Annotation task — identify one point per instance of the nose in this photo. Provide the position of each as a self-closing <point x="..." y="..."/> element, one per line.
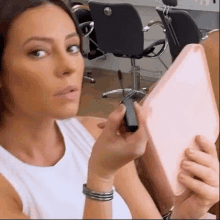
<point x="67" y="64"/>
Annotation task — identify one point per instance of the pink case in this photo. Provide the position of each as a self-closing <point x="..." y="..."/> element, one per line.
<point x="181" y="106"/>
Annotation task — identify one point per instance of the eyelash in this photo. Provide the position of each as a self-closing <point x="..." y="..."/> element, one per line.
<point x="34" y="52"/>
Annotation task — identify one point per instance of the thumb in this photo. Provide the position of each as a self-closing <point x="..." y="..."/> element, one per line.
<point x="115" y="118"/>
<point x="102" y="124"/>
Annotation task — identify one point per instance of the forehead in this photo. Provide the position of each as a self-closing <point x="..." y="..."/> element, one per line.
<point x="47" y="20"/>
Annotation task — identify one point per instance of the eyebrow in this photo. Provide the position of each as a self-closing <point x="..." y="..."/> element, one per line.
<point x="49" y="40"/>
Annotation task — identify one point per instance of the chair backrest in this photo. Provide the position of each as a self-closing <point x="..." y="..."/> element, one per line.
<point x="118" y="28"/>
<point x="170" y="2"/>
<point x="184" y="27"/>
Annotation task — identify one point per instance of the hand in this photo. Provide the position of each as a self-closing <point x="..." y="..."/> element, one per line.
<point x="203" y="188"/>
<point x="114" y="148"/>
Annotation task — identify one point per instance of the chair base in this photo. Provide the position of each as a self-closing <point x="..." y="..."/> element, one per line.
<point x="116" y="92"/>
<point x="136" y="92"/>
<point x="136" y="95"/>
<point x="92" y="80"/>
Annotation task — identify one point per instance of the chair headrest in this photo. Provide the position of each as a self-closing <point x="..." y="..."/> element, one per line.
<point x="170" y="2"/>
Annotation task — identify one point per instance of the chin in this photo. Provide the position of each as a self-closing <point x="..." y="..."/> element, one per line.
<point x="67" y="113"/>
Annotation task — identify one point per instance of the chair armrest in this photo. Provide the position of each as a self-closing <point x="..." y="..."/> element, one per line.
<point x="165" y="44"/>
<point x="153" y="23"/>
<point x="156" y="43"/>
<point x="77" y="7"/>
<point x="89" y="25"/>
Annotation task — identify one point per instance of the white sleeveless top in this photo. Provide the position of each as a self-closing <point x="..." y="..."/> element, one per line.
<point x="55" y="192"/>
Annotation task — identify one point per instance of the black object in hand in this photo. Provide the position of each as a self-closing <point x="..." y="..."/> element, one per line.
<point x="131" y="124"/>
<point x="130" y="115"/>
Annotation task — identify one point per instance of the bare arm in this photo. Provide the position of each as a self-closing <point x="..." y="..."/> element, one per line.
<point x="102" y="210"/>
<point x="98" y="209"/>
<point x="10" y="203"/>
<point x="139" y="201"/>
<point x="127" y="183"/>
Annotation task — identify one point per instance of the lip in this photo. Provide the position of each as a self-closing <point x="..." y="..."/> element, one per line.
<point x="69" y="96"/>
<point x="66" y="90"/>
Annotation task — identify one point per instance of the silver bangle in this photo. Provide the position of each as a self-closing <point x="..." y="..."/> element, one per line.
<point x="168" y="215"/>
<point x="106" y="196"/>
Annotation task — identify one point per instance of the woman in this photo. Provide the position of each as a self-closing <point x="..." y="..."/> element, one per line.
<point x="46" y="153"/>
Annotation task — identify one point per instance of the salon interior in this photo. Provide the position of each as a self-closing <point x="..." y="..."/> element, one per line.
<point x="192" y="21"/>
<point x="130" y="45"/>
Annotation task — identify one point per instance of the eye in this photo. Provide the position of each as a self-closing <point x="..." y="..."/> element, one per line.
<point x="37" y="53"/>
<point x="73" y="49"/>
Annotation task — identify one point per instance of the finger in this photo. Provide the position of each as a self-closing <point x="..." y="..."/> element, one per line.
<point x="205" y="173"/>
<point x="115" y="118"/>
<point x="206" y="146"/>
<point x="200" y="157"/>
<point x="123" y="130"/>
<point x="102" y="124"/>
<point x="197" y="186"/>
<point x="141" y="117"/>
<point x="141" y="133"/>
<point x="141" y="103"/>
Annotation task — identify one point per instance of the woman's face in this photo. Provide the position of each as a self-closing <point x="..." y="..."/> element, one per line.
<point x="36" y="69"/>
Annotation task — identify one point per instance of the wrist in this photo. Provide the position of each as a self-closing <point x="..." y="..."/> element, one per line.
<point x="99" y="184"/>
<point x="184" y="214"/>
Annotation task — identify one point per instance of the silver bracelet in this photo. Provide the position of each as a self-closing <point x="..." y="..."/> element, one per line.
<point x="168" y="215"/>
<point x="106" y="196"/>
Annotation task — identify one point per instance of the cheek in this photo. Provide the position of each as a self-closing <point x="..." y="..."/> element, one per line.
<point x="25" y="78"/>
<point x="25" y="83"/>
<point x="81" y="67"/>
<point x="28" y="83"/>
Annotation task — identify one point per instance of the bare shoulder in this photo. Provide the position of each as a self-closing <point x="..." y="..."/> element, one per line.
<point x="10" y="202"/>
<point x="90" y="123"/>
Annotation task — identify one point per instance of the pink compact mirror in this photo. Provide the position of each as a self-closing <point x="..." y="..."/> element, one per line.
<point x="180" y="107"/>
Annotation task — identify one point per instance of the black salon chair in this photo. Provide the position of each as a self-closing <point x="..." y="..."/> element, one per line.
<point x="119" y="31"/>
<point x="180" y="27"/>
<point x="83" y="15"/>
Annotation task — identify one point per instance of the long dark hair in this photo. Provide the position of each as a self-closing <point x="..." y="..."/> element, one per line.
<point x="9" y="10"/>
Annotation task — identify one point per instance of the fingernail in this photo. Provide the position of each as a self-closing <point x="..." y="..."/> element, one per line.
<point x="121" y="107"/>
<point x="186" y="163"/>
<point x="101" y="123"/>
<point x="200" y="138"/>
<point x="181" y="176"/>
<point x="191" y="151"/>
